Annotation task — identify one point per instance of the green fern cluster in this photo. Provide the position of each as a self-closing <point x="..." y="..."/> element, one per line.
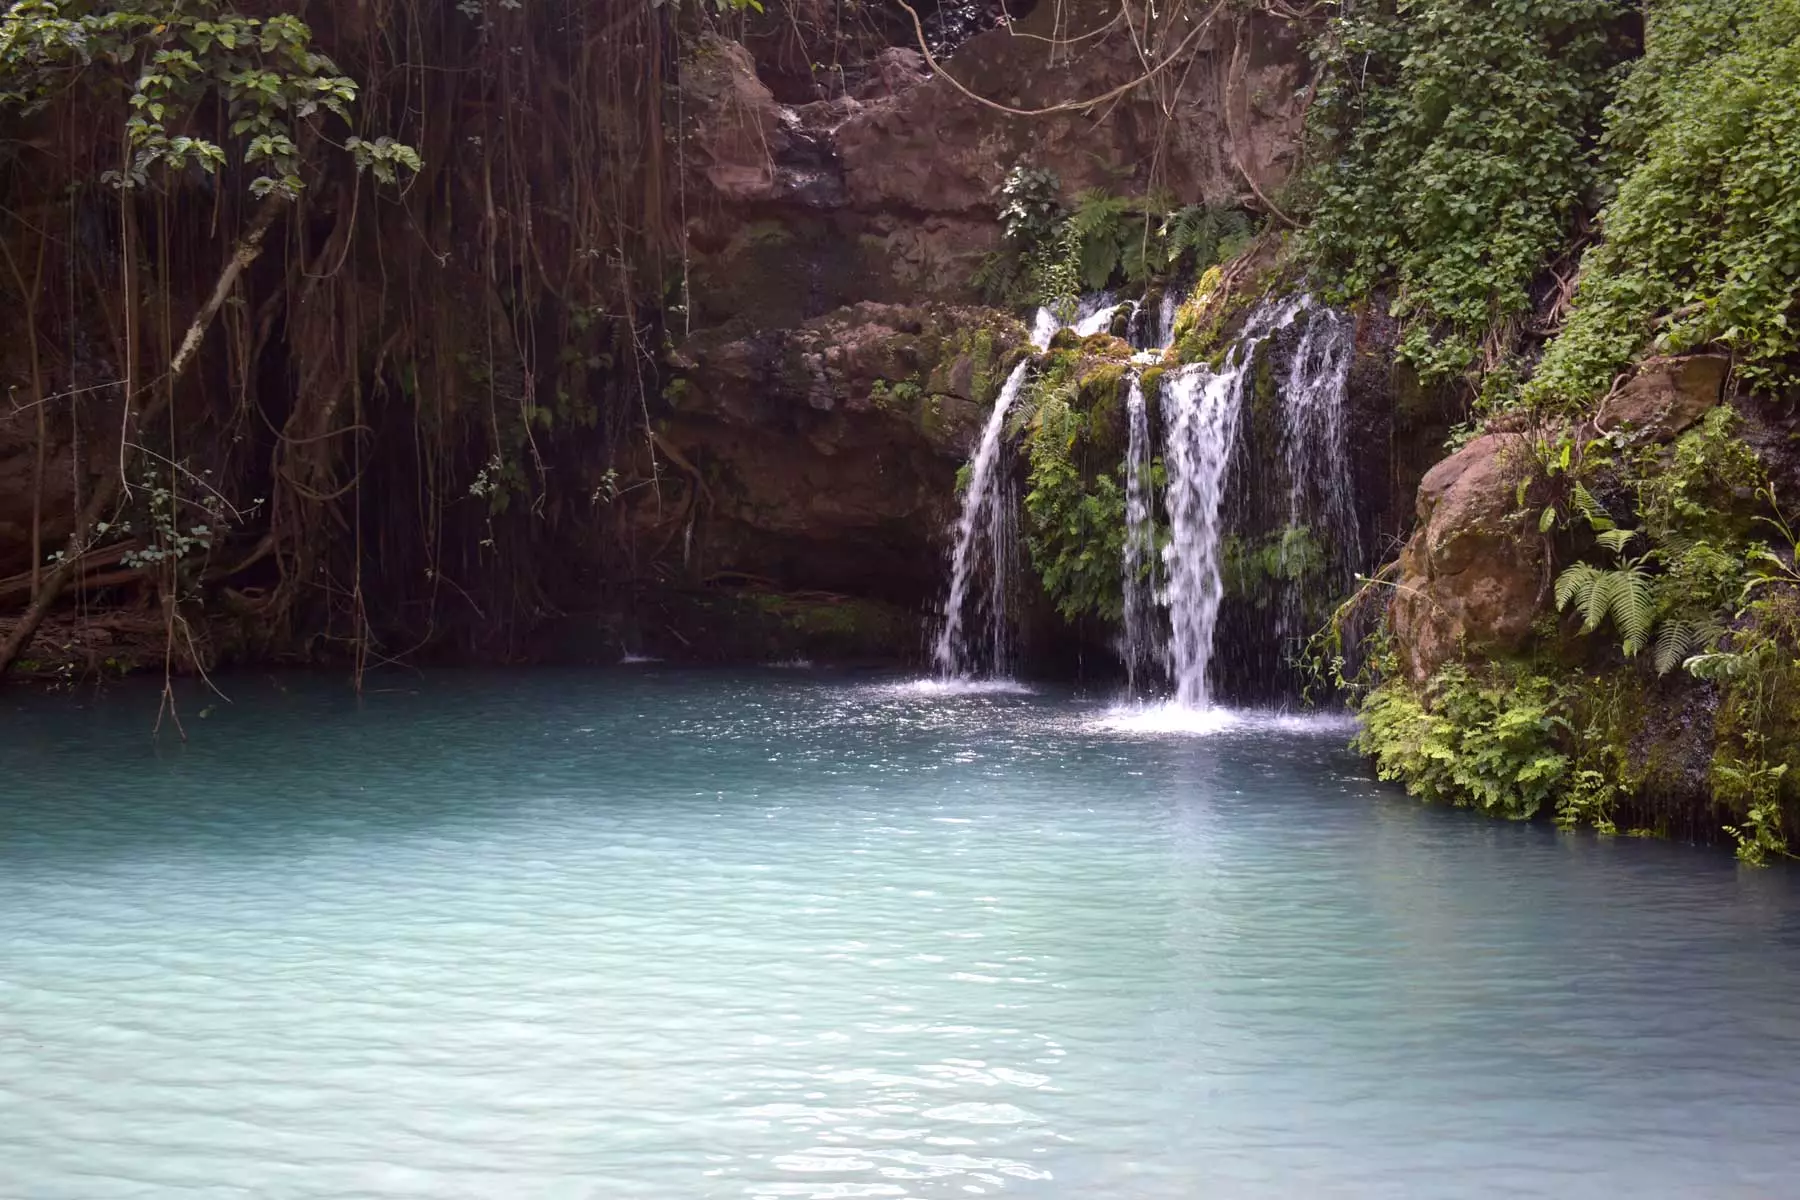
<point x="1697" y="559"/>
<point x="1486" y="740"/>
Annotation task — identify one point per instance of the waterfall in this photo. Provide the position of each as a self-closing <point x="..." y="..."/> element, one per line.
<point x="1165" y="316"/>
<point x="1200" y="420"/>
<point x="1313" y="449"/>
<point x="1094" y="313"/>
<point x="1141" y="650"/>
<point x="985" y="533"/>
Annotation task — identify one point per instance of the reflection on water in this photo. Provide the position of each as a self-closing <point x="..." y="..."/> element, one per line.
<point x="791" y="934"/>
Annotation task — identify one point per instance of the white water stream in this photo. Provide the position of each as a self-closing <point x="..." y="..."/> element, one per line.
<point x="1141" y="649"/>
<point x="1200" y="409"/>
<point x="974" y="635"/>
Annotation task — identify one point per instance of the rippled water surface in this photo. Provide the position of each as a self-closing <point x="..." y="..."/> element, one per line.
<point x="657" y="934"/>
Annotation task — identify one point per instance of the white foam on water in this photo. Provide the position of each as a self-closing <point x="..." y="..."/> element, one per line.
<point x="1167" y="718"/>
<point x="961" y="687"/>
<point x="632" y="660"/>
<point x="1188" y="720"/>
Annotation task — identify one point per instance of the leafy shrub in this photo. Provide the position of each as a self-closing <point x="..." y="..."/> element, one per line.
<point x="1479" y="740"/>
<point x="1703" y="238"/>
<point x="1053" y="253"/>
<point x="1466" y="143"/>
<point x="1075" y="519"/>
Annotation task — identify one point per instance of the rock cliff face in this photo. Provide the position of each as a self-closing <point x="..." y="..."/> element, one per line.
<point x="886" y="191"/>
<point x="825" y="456"/>
<point x="832" y="369"/>
<point x="822" y="359"/>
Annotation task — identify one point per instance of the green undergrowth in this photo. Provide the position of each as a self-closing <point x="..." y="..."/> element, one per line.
<point x="1052" y="250"/>
<point x="1072" y="423"/>
<point x="1459" y="145"/>
<point x="1674" y="654"/>
<point x="1701" y="242"/>
<point x="1548" y="193"/>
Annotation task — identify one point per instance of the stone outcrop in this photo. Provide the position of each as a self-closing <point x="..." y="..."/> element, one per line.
<point x="1665" y="396"/>
<point x="1470" y="577"/>
<point x="886" y="189"/>
<point x="833" y="371"/>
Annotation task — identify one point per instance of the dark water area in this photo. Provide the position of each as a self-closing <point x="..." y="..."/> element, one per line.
<point x="655" y="933"/>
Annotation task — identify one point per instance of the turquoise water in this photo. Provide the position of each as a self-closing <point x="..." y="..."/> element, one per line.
<point x="661" y="934"/>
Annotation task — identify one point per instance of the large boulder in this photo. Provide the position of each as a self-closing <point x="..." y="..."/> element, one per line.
<point x="1472" y="576"/>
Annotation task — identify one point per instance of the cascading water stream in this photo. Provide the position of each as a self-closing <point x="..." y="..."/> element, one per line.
<point x="1141" y="649"/>
<point x="1094" y="313"/>
<point x="1165" y="316"/>
<point x="1313" y="447"/>
<point x="985" y="536"/>
<point x="1200" y="408"/>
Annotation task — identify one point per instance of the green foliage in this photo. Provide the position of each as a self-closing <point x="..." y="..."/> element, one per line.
<point x="1624" y="594"/>
<point x="273" y="86"/>
<point x="1753" y="785"/>
<point x="1703" y="238"/>
<point x="1030" y="205"/>
<point x="1691" y="492"/>
<point x="1199" y="236"/>
<point x="1465" y="139"/>
<point x="1696" y="561"/>
<point x="1757" y="726"/>
<point x="173" y="526"/>
<point x="1075" y="513"/>
<point x="1290" y="555"/>
<point x="1053" y="253"/>
<point x="1587" y="800"/>
<point x="1484" y="740"/>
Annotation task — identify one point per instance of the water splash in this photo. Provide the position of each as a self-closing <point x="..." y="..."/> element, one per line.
<point x="1142" y="648"/>
<point x="1200" y="418"/>
<point x="986" y="536"/>
<point x="1094" y="313"/>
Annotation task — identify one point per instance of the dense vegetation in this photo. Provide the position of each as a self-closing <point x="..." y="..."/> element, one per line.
<point x="366" y="335"/>
<point x="1674" y="563"/>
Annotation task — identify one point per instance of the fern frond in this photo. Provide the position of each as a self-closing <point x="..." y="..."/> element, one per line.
<point x="1634" y="606"/>
<point x="1097" y="212"/>
<point x="1674" y="642"/>
<point x="1574" y="584"/>
<point x="1595" y="512"/>
<point x="1616" y="539"/>
<point x="1717" y="664"/>
<point x="1599" y="599"/>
